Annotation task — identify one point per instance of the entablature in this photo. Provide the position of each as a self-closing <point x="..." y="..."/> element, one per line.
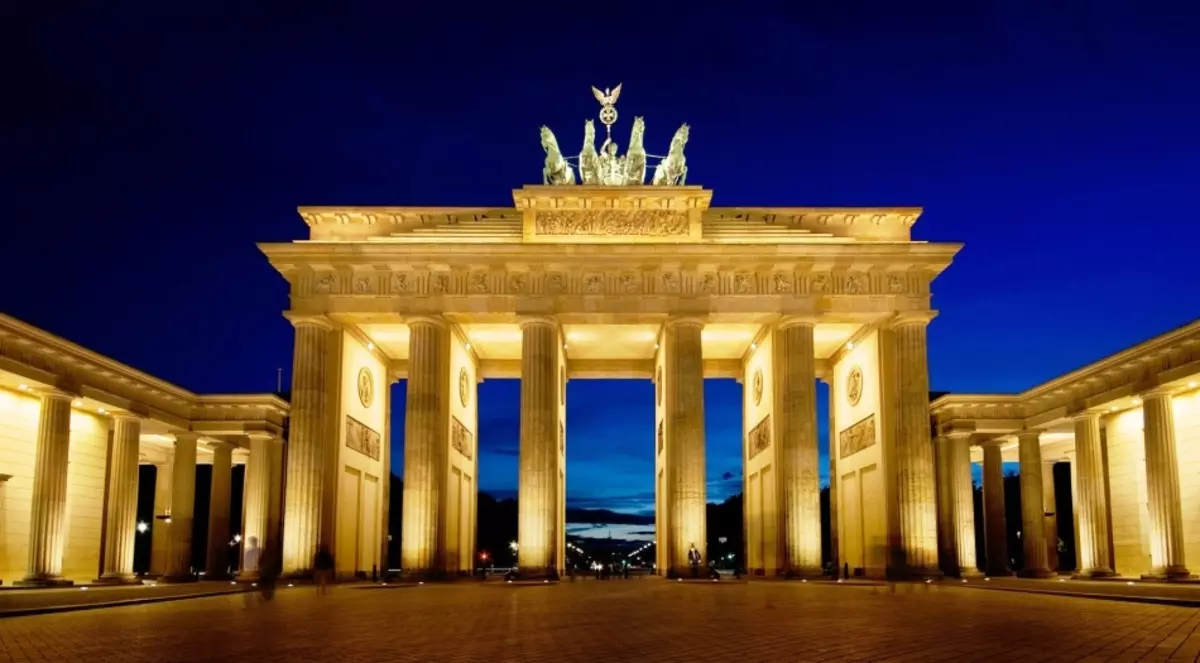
<point x="1110" y="385"/>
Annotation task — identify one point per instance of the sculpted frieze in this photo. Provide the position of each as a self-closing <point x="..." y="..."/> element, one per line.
<point x="523" y="282"/>
<point x="857" y="437"/>
<point x="644" y="223"/>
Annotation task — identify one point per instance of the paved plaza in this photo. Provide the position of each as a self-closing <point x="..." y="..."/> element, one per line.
<point x="647" y="620"/>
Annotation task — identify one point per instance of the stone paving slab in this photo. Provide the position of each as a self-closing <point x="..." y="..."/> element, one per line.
<point x="1182" y="594"/>
<point x="616" y="621"/>
<point x="14" y="602"/>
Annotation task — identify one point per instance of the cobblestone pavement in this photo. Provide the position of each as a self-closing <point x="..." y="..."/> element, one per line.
<point x="615" y="621"/>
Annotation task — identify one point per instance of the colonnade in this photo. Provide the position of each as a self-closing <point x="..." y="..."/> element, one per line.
<point x="174" y="501"/>
<point x="1091" y="509"/>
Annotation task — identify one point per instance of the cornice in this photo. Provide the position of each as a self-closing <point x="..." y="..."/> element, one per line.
<point x="43" y="357"/>
<point x="1144" y="368"/>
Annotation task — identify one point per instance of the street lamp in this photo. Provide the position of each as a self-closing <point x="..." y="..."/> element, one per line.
<point x="142" y="527"/>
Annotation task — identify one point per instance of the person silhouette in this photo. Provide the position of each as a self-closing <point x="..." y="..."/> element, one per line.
<point x="694" y="560"/>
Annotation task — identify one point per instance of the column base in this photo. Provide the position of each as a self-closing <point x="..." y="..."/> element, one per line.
<point x="1176" y="573"/>
<point x="176" y="579"/>
<point x="1036" y="573"/>
<point x="1092" y="574"/>
<point x="49" y="581"/>
<point x="970" y="573"/>
<point x="118" y="579"/>
<point x="802" y="573"/>
<point x="686" y="573"/>
<point x="902" y="574"/>
<point x="535" y="574"/>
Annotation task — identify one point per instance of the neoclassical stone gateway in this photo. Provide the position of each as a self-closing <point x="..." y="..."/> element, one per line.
<point x="578" y="282"/>
<point x="75" y="426"/>
<point x="1128" y="425"/>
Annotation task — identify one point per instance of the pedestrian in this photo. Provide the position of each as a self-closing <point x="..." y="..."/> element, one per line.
<point x="323" y="569"/>
<point x="694" y="560"/>
<point x="268" y="574"/>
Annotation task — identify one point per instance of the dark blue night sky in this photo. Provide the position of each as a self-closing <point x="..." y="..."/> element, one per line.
<point x="145" y="148"/>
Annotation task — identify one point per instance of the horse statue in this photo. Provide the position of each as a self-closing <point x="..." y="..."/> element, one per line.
<point x="635" y="156"/>
<point x="589" y="161"/>
<point x="556" y="171"/>
<point x="672" y="171"/>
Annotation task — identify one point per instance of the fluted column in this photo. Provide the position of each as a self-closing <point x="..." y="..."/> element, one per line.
<point x="1162" y="486"/>
<point x="947" y="535"/>
<point x="684" y="404"/>
<point x="256" y="534"/>
<point x="794" y="374"/>
<point x="961" y="494"/>
<point x="537" y="494"/>
<point x="425" y="445"/>
<point x="914" y="445"/>
<point x="1033" y="517"/>
<point x="1091" y="508"/>
<point x="216" y="563"/>
<point x="183" y="503"/>
<point x="835" y="552"/>
<point x="308" y="443"/>
<point x="160" y="529"/>
<point x="274" y="533"/>
<point x="995" y="528"/>
<point x="48" y="515"/>
<point x="1050" y="509"/>
<point x="121" y="522"/>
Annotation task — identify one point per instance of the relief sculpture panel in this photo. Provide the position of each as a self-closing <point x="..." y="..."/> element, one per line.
<point x="646" y="223"/>
<point x="759" y="438"/>
<point x="857" y="437"/>
<point x="462" y="439"/>
<point x="362" y="439"/>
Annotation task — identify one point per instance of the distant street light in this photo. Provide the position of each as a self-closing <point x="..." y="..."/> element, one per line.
<point x="142" y="527"/>
<point x="512" y="545"/>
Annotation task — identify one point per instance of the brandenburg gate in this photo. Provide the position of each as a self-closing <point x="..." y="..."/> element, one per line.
<point x="595" y="274"/>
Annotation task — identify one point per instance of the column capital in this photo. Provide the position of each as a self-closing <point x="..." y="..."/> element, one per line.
<point x="1028" y="434"/>
<point x="305" y="319"/>
<point x="958" y="434"/>
<point x="684" y="321"/>
<point x="1085" y="415"/>
<point x="996" y="442"/>
<point x="55" y="393"/>
<point x="541" y="320"/>
<point x="796" y="320"/>
<point x="122" y="415"/>
<point x="186" y="436"/>
<point x="434" y="320"/>
<point x="911" y="318"/>
<point x="1161" y="391"/>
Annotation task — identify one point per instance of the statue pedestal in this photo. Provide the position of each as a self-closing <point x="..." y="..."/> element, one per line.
<point x="612" y="214"/>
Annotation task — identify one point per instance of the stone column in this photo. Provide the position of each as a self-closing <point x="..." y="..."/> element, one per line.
<point x="1162" y="486"/>
<point x="308" y="443"/>
<point x="183" y="502"/>
<point x="1073" y="461"/>
<point x="961" y="494"/>
<point x="48" y="515"/>
<point x="947" y="534"/>
<point x="995" y="527"/>
<point x="216" y="563"/>
<point x="914" y="444"/>
<point x="275" y="494"/>
<point x="256" y="535"/>
<point x="835" y="552"/>
<point x="1091" y="510"/>
<point x="160" y="529"/>
<point x="426" y="445"/>
<point x="121" y="522"/>
<point x="3" y="498"/>
<point x="1033" y="516"/>
<point x="537" y="494"/>
<point x="795" y="410"/>
<point x="1050" y="509"/>
<point x="684" y="401"/>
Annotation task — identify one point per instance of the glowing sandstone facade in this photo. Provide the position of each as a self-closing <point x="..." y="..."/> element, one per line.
<point x="579" y="282"/>
<point x="74" y="428"/>
<point x="1128" y="425"/>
